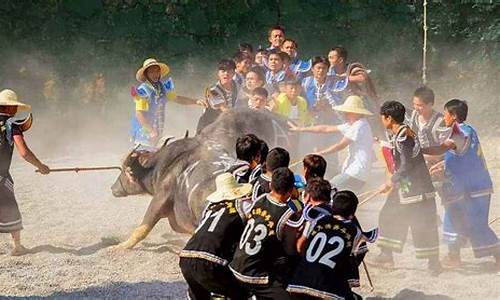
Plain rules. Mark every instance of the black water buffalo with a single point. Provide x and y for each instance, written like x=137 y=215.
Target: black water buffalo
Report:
x=182 y=173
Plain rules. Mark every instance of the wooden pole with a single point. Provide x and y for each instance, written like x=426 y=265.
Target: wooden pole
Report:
x=424 y=49
x=368 y=276
x=77 y=169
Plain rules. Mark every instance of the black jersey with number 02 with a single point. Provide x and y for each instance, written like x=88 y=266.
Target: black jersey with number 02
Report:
x=324 y=268
x=260 y=248
x=218 y=233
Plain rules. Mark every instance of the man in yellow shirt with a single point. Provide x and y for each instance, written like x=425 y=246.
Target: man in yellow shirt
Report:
x=292 y=106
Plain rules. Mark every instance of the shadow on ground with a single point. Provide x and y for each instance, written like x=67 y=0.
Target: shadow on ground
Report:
x=408 y=294
x=122 y=290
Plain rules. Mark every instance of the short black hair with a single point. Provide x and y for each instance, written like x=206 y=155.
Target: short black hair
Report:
x=344 y=203
x=291 y=81
x=241 y=56
x=282 y=181
x=262 y=50
x=275 y=51
x=275 y=27
x=259 y=72
x=248 y=147
x=341 y=51
x=458 y=108
x=425 y=93
x=294 y=42
x=320 y=60
x=277 y=158
x=393 y=109
x=261 y=92
x=245 y=47
x=315 y=166
x=284 y=56
x=264 y=151
x=226 y=65
x=319 y=189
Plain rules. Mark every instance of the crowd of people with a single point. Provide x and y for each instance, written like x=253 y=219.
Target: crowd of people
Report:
x=274 y=234
x=259 y=230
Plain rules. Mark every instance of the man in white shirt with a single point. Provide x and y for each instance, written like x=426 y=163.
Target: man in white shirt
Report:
x=357 y=136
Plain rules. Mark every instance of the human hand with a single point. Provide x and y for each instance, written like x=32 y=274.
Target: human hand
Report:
x=153 y=134
x=386 y=187
x=293 y=127
x=202 y=102
x=43 y=169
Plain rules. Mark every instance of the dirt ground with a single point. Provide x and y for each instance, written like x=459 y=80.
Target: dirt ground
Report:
x=71 y=220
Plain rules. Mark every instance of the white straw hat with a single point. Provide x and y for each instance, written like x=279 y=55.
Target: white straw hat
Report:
x=228 y=189
x=140 y=76
x=353 y=104
x=9 y=98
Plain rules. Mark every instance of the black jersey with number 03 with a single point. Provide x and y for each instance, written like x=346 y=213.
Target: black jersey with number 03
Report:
x=218 y=233
x=260 y=247
x=323 y=270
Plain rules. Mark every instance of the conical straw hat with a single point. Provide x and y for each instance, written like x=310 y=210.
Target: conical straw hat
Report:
x=228 y=189
x=140 y=76
x=353 y=104
x=9 y=98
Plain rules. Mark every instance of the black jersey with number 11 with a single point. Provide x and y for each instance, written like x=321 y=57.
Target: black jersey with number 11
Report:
x=218 y=233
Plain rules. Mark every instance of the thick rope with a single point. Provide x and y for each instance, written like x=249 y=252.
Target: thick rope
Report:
x=424 y=49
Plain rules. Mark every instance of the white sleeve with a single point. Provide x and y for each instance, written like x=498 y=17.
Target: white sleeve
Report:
x=352 y=132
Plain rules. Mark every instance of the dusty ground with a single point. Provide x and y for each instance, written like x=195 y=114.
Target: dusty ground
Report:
x=71 y=220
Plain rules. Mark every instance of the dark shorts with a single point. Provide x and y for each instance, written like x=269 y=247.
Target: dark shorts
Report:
x=10 y=217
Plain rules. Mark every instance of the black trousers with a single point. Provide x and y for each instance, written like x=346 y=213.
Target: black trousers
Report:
x=396 y=219
x=275 y=290
x=204 y=277
x=295 y=296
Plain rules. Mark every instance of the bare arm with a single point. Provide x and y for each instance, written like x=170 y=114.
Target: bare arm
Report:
x=358 y=78
x=141 y=117
x=183 y=100
x=317 y=128
x=28 y=155
x=336 y=147
x=441 y=149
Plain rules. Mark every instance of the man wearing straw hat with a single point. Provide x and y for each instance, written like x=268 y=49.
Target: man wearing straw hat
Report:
x=357 y=135
x=205 y=257
x=11 y=133
x=150 y=98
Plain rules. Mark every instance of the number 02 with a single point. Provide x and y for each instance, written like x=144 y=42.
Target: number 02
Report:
x=321 y=239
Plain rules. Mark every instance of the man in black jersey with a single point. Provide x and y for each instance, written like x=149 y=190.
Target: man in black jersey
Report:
x=264 y=151
x=260 y=254
x=205 y=257
x=326 y=244
x=248 y=148
x=277 y=158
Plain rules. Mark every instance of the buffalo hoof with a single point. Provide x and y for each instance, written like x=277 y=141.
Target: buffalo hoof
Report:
x=121 y=247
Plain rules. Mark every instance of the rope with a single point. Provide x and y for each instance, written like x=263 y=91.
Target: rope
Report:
x=424 y=49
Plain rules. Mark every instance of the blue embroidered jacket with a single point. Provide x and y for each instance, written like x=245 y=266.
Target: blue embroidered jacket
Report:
x=465 y=170
x=156 y=97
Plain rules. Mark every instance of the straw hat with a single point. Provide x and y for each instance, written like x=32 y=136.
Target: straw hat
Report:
x=9 y=98
x=228 y=189
x=353 y=104
x=140 y=76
